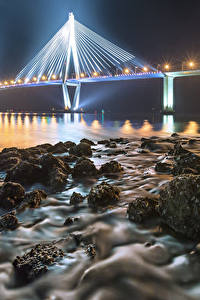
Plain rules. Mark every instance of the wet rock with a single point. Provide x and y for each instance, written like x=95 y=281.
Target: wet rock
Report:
x=24 y=173
x=9 y=222
x=178 y=150
x=142 y=209
x=114 y=152
x=179 y=205
x=11 y=195
x=111 y=167
x=91 y=250
x=82 y=149
x=186 y=163
x=69 y=144
x=58 y=148
x=121 y=141
x=69 y=158
x=36 y=262
x=103 y=195
x=192 y=141
x=103 y=142
x=76 y=198
x=152 y=145
x=84 y=168
x=175 y=134
x=111 y=145
x=57 y=180
x=33 y=199
x=9 y=163
x=6 y=150
x=162 y=167
x=91 y=143
x=50 y=162
x=70 y=221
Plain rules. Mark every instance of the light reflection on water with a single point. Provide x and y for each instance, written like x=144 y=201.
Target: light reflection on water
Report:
x=25 y=130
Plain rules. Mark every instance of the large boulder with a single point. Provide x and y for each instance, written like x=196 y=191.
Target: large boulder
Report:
x=84 y=168
x=111 y=167
x=37 y=261
x=49 y=162
x=24 y=173
x=33 y=199
x=82 y=149
x=11 y=195
x=179 y=205
x=103 y=195
x=57 y=180
x=91 y=143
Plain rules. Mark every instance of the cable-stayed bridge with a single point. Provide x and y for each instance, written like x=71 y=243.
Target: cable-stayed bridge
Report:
x=77 y=55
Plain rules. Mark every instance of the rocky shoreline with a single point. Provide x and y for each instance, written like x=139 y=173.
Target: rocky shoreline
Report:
x=151 y=183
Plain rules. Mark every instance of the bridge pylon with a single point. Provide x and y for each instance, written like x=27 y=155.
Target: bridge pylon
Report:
x=71 y=104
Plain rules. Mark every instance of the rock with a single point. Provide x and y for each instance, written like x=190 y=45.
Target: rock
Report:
x=58 y=148
x=33 y=199
x=69 y=144
x=111 y=145
x=50 y=162
x=178 y=150
x=103 y=195
x=24 y=173
x=6 y=150
x=9 y=163
x=192 y=141
x=91 y=143
x=11 y=195
x=175 y=134
x=121 y=140
x=162 y=167
x=70 y=221
x=9 y=222
x=91 y=250
x=84 y=168
x=152 y=145
x=69 y=158
x=103 y=142
x=57 y=180
x=111 y=167
x=76 y=198
x=36 y=262
x=179 y=205
x=142 y=209
x=82 y=149
x=186 y=163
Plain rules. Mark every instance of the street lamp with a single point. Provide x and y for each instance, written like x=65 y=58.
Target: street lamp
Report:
x=167 y=67
x=191 y=64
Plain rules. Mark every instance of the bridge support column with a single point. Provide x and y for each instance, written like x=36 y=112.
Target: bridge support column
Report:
x=71 y=104
x=168 y=93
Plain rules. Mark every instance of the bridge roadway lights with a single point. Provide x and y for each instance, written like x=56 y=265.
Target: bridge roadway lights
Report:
x=71 y=104
x=168 y=93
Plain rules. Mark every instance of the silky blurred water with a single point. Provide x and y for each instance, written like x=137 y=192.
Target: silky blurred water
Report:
x=25 y=130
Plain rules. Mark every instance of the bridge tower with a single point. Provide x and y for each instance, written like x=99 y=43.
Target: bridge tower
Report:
x=72 y=50
x=168 y=93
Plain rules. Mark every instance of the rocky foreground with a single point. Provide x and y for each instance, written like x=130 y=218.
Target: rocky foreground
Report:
x=139 y=193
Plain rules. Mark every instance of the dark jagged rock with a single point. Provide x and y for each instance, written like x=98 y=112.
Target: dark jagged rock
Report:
x=9 y=222
x=24 y=173
x=141 y=209
x=84 y=168
x=114 y=152
x=121 y=141
x=91 y=250
x=70 y=221
x=33 y=199
x=11 y=195
x=179 y=205
x=111 y=145
x=9 y=163
x=69 y=158
x=153 y=145
x=6 y=150
x=111 y=167
x=50 y=162
x=103 y=195
x=103 y=142
x=175 y=134
x=186 y=163
x=82 y=149
x=76 y=198
x=192 y=141
x=58 y=148
x=36 y=262
x=69 y=144
x=91 y=143
x=162 y=167
x=57 y=180
x=178 y=150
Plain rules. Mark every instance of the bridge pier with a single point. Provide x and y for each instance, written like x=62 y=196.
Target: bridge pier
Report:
x=168 y=93
x=71 y=104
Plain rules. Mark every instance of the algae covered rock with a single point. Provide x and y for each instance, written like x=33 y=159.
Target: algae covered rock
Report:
x=9 y=222
x=11 y=195
x=141 y=209
x=179 y=205
x=33 y=199
x=37 y=261
x=84 y=168
x=111 y=167
x=76 y=198
x=103 y=195
x=82 y=149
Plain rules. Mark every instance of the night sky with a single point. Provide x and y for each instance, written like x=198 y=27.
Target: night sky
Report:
x=155 y=30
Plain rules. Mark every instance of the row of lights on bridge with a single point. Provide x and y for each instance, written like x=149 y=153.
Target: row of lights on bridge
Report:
x=126 y=71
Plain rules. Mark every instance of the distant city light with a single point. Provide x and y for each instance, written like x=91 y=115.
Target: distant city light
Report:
x=191 y=64
x=34 y=78
x=145 y=69
x=19 y=81
x=82 y=75
x=12 y=82
x=54 y=77
x=167 y=67
x=5 y=82
x=44 y=77
x=95 y=74
x=126 y=71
